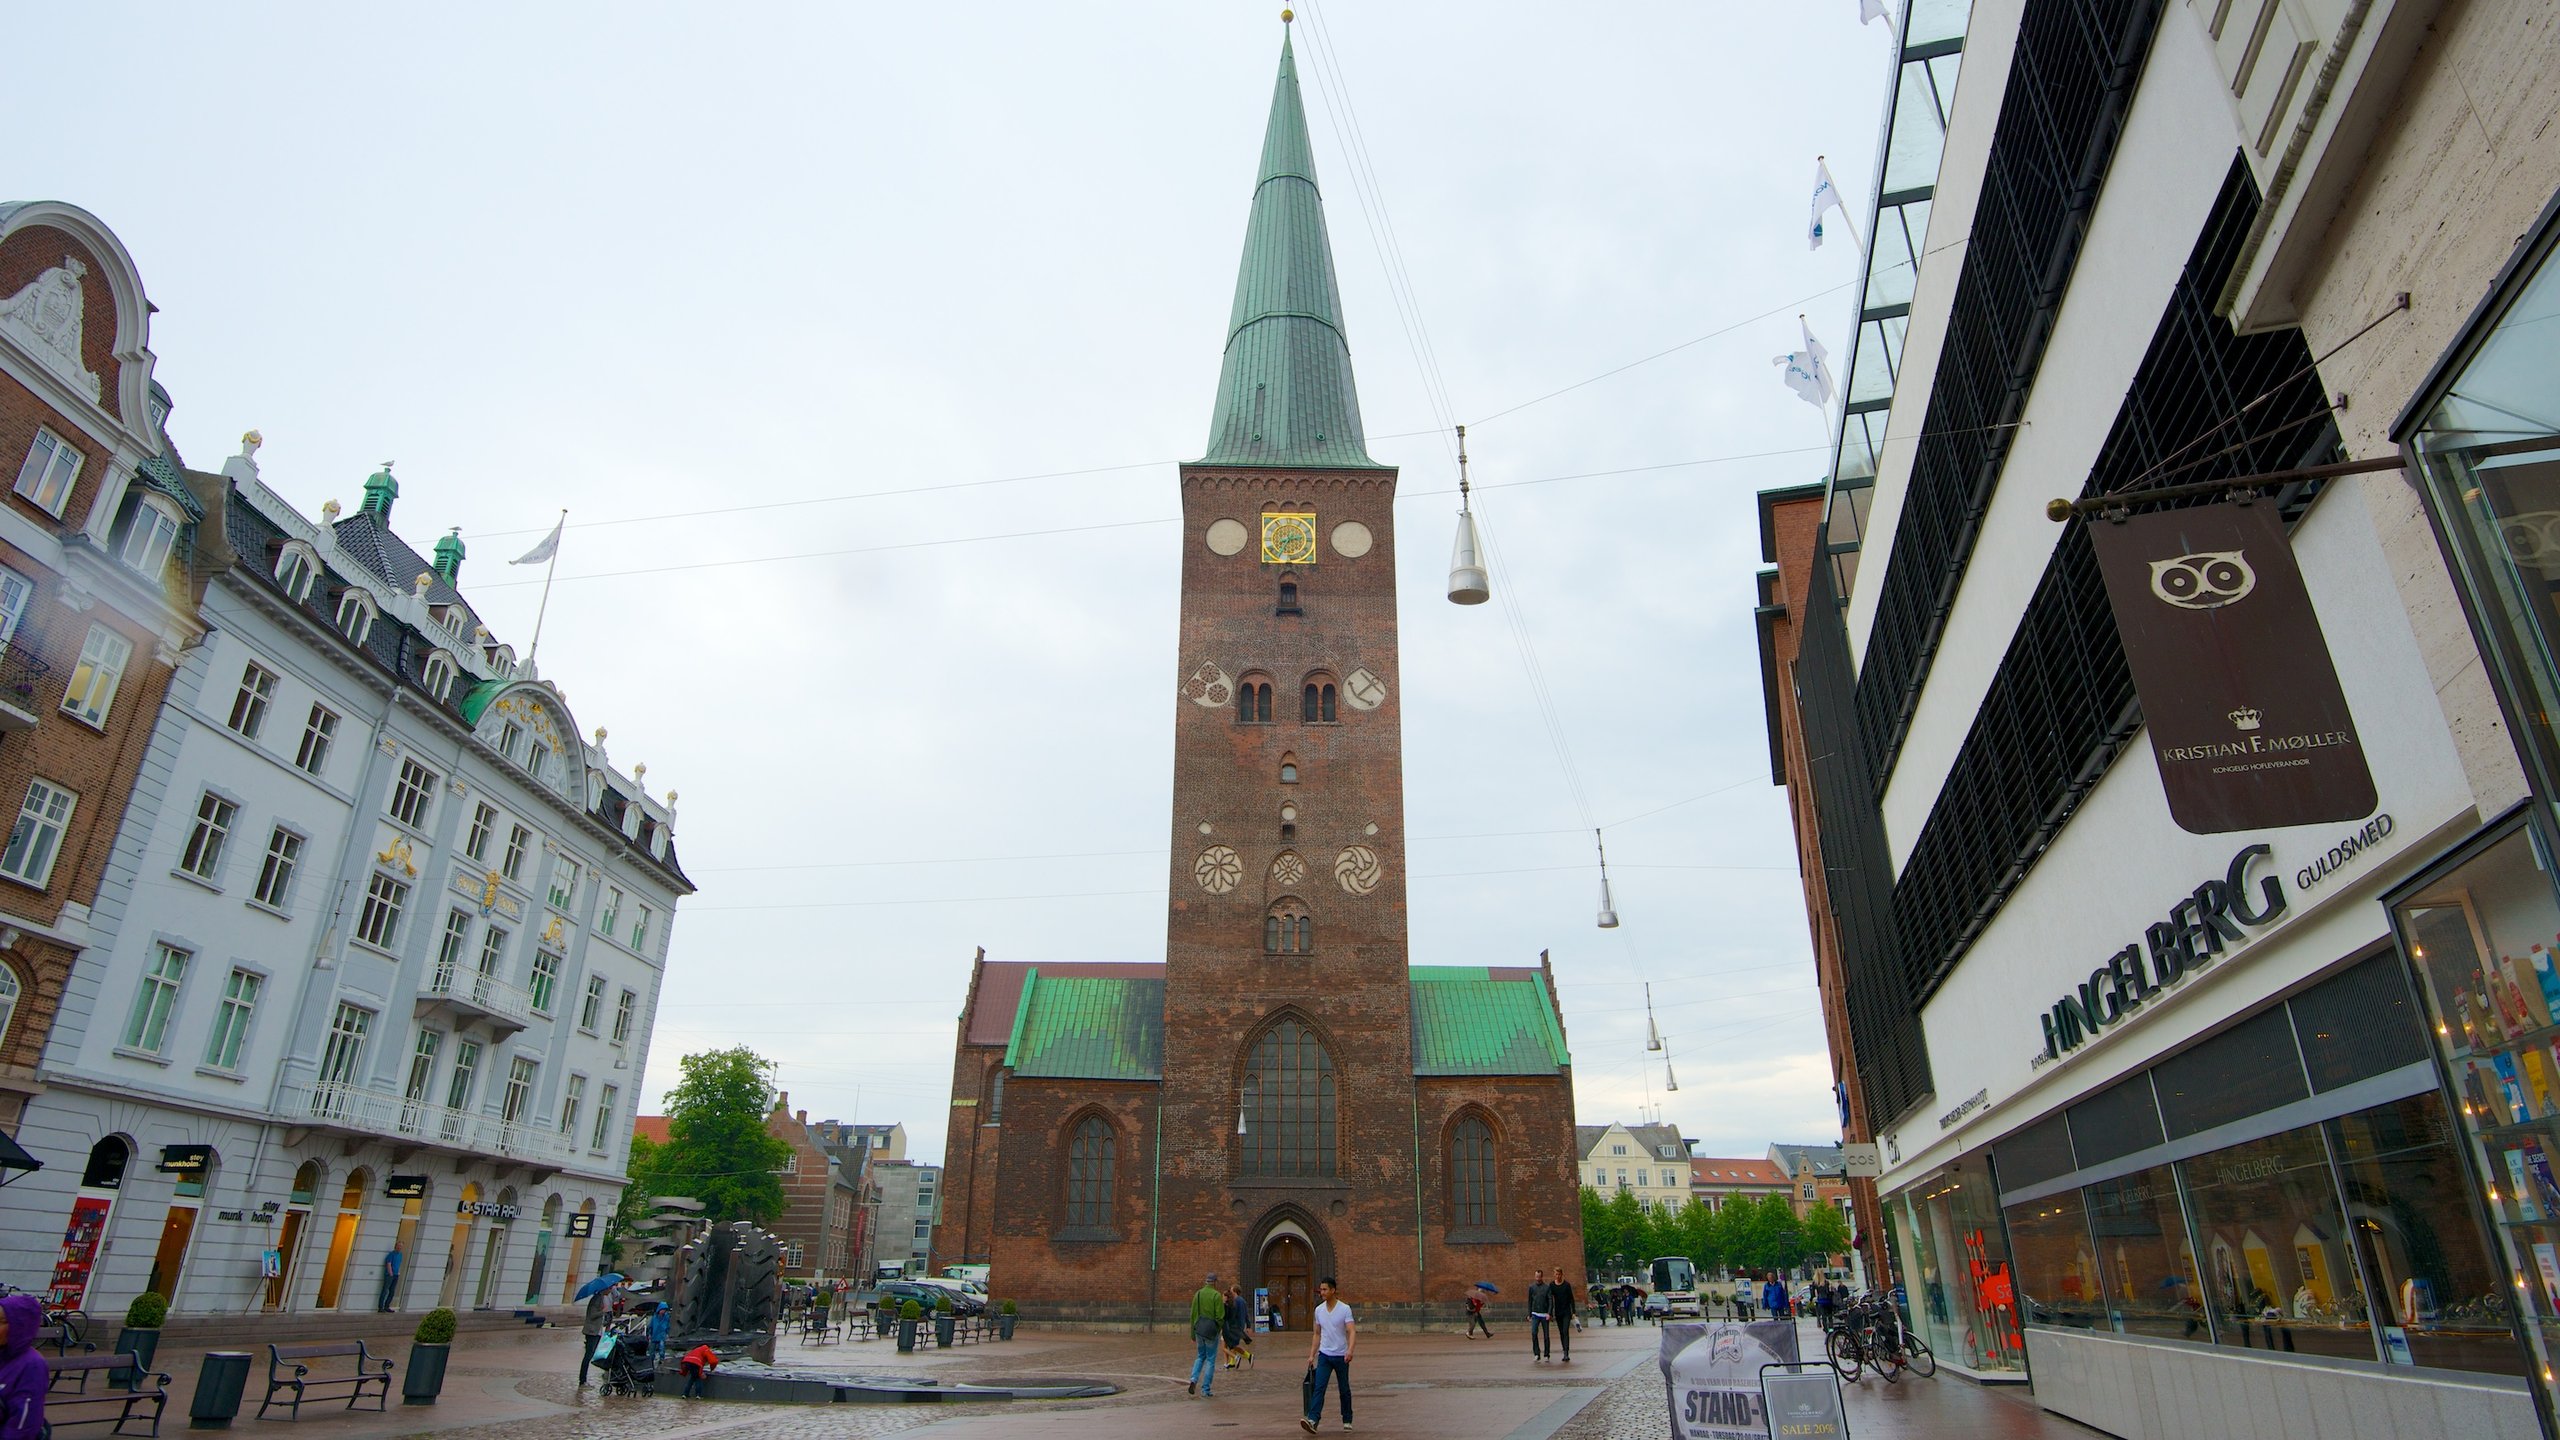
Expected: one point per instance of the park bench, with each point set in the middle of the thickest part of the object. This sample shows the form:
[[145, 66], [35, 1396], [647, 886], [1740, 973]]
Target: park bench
[[57, 1339], [303, 1385], [150, 1388]]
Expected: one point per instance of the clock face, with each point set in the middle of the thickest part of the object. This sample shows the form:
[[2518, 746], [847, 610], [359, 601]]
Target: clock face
[[1289, 538]]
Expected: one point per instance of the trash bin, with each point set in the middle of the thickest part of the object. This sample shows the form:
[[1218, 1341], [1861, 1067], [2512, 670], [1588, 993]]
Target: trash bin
[[218, 1386]]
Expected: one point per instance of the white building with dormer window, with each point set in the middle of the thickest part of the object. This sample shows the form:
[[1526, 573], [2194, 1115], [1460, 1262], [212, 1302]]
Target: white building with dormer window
[[373, 964]]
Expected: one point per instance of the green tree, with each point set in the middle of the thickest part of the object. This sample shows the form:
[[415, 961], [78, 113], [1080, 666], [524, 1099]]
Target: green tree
[[1783, 1231], [1627, 1219], [1698, 1238], [1825, 1233], [717, 1149], [1599, 1232], [620, 1247]]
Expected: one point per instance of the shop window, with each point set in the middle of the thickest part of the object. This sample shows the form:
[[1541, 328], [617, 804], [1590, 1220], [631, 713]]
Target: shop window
[[2057, 1264], [1956, 1252], [2278, 1273], [2248, 1069], [2146, 1260], [2410, 1219]]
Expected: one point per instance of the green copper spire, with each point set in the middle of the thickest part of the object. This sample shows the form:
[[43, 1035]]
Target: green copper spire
[[1285, 395]]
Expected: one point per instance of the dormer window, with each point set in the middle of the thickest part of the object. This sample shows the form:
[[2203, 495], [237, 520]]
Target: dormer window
[[510, 737], [295, 574], [145, 534], [455, 620], [502, 661], [355, 614], [538, 759], [440, 674]]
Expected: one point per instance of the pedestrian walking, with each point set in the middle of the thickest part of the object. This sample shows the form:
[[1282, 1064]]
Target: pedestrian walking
[[1475, 1314], [1560, 1301], [390, 1280], [1541, 1315], [1742, 1297], [659, 1318], [1329, 1354], [1208, 1323], [592, 1329], [1238, 1335], [24, 1377], [1773, 1298]]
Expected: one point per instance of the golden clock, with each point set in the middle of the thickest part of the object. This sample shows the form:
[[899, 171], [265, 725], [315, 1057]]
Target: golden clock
[[1289, 537]]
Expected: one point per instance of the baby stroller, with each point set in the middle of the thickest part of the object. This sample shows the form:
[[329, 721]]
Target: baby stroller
[[623, 1351]]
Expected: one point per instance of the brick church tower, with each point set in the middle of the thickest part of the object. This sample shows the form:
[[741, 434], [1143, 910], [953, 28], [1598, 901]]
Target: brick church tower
[[1285, 1096]]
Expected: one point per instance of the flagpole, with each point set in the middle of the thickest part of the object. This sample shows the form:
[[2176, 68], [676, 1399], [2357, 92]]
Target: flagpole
[[547, 572], [1843, 196]]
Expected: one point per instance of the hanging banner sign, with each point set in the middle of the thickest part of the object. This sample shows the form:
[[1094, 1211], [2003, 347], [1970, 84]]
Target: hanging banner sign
[[185, 1159], [581, 1225], [405, 1187], [486, 1209], [2246, 716]]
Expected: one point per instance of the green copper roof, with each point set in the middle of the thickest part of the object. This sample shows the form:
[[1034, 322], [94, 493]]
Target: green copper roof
[[1469, 1021], [1285, 395], [476, 700], [1086, 1028]]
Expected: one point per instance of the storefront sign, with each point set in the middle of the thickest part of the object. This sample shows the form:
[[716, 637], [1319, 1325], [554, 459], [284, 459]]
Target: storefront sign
[[2340, 855], [486, 1209], [1804, 1402], [2220, 913], [1861, 1162], [185, 1159], [581, 1225], [405, 1187], [2247, 718], [1967, 1106]]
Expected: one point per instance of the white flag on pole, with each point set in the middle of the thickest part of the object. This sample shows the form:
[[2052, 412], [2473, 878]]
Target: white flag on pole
[[1869, 10], [1826, 197], [1808, 371], [549, 547]]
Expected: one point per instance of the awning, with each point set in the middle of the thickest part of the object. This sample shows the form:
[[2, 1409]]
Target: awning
[[14, 1159]]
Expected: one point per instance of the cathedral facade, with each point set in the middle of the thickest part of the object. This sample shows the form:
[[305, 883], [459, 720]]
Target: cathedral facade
[[1285, 1096]]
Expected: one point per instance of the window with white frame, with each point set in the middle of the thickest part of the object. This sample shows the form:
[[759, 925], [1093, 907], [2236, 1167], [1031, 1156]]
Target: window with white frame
[[205, 844], [519, 840], [519, 1092], [493, 953], [612, 915], [564, 884], [318, 733], [342, 1058], [422, 1064], [37, 837], [466, 1067], [545, 984], [355, 614], [92, 691], [537, 760], [295, 574], [249, 707], [148, 531], [146, 1028], [622, 1013], [379, 922], [475, 843], [15, 591], [457, 933], [640, 929], [605, 1102], [591, 1009], [231, 1021], [573, 1098], [510, 738], [8, 1000], [50, 468], [439, 675], [413, 795]]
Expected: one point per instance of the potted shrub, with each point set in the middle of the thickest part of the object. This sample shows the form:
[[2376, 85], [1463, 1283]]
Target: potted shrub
[[881, 1319], [428, 1351], [943, 1320], [140, 1337], [908, 1314], [1004, 1321]]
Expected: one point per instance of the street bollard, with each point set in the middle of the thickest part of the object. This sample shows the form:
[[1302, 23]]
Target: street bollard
[[218, 1387]]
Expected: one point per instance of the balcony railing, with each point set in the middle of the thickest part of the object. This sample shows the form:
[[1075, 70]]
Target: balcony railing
[[479, 993], [23, 693], [366, 1110]]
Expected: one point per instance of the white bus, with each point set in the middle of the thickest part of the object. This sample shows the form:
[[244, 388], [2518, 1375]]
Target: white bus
[[1675, 1288]]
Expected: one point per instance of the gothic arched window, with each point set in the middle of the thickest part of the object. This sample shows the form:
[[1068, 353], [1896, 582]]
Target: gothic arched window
[[1287, 929], [1471, 1189], [1288, 1111], [1089, 1160]]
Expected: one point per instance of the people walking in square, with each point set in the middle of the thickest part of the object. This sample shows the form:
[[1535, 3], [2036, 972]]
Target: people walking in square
[[592, 1329], [1560, 1301], [1773, 1297], [390, 1280], [658, 1319], [1208, 1325], [1541, 1315], [1475, 1313], [1329, 1354], [1238, 1335]]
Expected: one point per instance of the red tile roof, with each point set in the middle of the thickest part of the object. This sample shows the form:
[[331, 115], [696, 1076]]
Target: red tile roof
[[652, 1128], [1754, 1171]]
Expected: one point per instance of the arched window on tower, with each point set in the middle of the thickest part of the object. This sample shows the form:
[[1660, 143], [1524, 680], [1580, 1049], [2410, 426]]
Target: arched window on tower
[[1288, 769], [1288, 928], [1253, 702], [1287, 1116], [1317, 703], [1091, 1154], [1471, 1185]]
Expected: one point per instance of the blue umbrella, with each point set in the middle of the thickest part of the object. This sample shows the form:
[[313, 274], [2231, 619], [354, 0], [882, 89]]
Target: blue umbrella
[[1488, 1287], [598, 1285]]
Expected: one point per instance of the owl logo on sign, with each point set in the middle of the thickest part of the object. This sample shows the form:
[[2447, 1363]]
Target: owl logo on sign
[[2207, 580]]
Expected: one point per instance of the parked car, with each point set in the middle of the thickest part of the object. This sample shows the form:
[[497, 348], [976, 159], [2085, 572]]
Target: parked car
[[898, 1292]]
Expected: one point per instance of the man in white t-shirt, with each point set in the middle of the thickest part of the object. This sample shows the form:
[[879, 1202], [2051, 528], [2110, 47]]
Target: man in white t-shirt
[[1329, 1355]]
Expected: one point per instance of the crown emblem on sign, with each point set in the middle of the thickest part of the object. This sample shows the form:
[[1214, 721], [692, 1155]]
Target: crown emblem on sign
[[2245, 718]]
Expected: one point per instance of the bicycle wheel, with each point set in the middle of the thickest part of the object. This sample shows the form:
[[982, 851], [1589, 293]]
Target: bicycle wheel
[[1884, 1355], [1843, 1350], [1923, 1363]]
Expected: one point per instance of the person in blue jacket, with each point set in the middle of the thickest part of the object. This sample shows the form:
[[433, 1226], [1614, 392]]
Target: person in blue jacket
[[658, 1319], [1773, 1298]]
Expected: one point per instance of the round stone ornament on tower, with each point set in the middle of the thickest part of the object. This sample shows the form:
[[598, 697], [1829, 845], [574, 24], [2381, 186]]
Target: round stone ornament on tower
[[1226, 537], [1351, 540]]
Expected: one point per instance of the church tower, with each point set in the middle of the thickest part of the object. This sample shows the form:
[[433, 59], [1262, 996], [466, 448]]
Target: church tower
[[1283, 1096], [1286, 938]]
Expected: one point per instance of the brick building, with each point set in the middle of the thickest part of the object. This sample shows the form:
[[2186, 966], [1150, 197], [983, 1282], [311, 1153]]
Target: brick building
[[821, 1196], [1716, 1182], [1285, 1096], [106, 541]]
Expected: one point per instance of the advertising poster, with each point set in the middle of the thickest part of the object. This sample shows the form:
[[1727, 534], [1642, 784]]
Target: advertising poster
[[1712, 1375], [79, 1252]]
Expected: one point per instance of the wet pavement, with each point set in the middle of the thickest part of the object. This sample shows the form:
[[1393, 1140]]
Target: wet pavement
[[522, 1386]]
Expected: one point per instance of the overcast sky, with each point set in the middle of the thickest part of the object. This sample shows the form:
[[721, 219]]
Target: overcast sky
[[710, 277]]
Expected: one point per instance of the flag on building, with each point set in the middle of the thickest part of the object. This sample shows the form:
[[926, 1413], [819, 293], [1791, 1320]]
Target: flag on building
[[1808, 371], [549, 547], [1826, 198], [1872, 10]]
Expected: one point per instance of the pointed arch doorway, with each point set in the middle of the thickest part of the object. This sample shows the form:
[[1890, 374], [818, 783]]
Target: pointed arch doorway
[[1288, 1273]]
